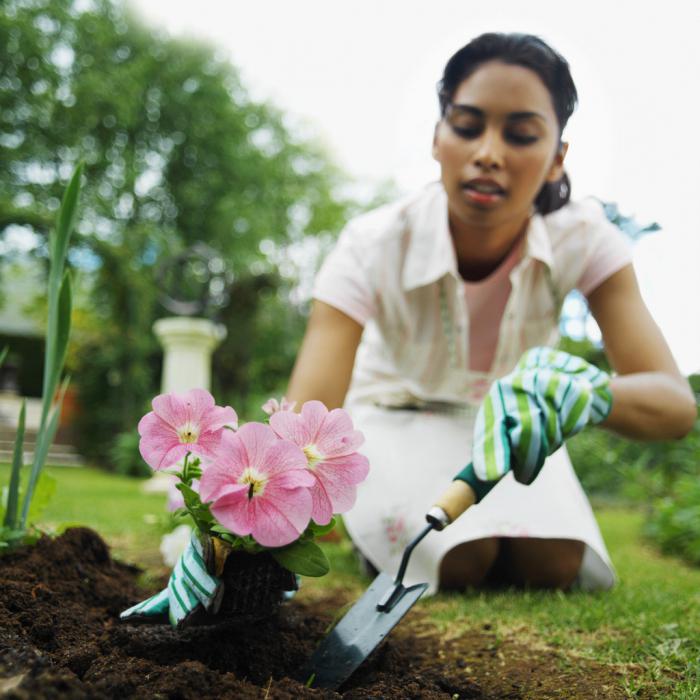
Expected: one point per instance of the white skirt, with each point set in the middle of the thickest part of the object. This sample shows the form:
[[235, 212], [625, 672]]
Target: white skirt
[[414, 455]]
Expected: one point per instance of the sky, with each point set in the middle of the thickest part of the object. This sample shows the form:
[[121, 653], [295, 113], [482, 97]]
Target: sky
[[361, 76]]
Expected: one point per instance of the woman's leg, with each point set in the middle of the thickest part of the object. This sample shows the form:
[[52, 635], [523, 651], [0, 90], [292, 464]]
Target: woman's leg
[[540, 562], [512, 561], [468, 563]]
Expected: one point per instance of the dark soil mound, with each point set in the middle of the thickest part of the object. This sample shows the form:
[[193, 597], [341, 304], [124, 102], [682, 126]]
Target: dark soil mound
[[60, 637]]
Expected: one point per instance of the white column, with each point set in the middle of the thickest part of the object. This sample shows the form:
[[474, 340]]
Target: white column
[[187, 344]]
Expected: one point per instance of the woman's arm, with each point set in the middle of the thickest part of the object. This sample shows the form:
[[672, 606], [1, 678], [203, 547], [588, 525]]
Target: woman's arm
[[324, 364], [651, 398]]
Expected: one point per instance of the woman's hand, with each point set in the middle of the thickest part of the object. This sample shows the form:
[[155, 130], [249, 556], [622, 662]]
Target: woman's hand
[[528, 414], [651, 398], [324, 364]]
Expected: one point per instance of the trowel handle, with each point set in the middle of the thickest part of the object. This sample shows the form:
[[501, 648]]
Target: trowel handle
[[466, 490]]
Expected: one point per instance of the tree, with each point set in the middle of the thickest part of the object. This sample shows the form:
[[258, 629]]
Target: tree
[[176, 152]]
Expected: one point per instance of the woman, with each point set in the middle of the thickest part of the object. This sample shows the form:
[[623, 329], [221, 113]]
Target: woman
[[424, 303]]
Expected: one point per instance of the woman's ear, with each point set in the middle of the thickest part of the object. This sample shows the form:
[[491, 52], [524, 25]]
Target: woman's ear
[[556, 171], [435, 139]]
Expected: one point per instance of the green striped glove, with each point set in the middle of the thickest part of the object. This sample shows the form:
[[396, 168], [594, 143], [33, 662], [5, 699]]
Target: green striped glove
[[528, 414], [191, 592]]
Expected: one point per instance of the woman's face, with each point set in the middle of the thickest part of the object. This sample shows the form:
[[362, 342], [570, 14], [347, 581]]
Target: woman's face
[[497, 145]]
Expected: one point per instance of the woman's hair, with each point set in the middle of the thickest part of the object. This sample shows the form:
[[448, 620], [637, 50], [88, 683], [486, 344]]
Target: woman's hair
[[530, 52]]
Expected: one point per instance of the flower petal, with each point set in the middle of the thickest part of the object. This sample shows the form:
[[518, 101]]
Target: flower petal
[[281, 518], [217, 417], [322, 508], [256, 439], [314, 415], [236, 512], [337, 437], [339, 478], [177, 409], [291, 426], [281, 456]]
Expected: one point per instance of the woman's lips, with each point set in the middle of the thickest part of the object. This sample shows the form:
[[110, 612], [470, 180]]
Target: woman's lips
[[480, 197]]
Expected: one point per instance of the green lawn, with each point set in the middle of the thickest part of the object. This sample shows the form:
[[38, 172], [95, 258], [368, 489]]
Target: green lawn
[[130, 519], [648, 626]]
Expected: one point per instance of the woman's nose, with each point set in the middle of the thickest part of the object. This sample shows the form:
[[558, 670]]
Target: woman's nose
[[489, 154]]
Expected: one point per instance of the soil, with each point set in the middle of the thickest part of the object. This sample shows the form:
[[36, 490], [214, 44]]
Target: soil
[[60, 637]]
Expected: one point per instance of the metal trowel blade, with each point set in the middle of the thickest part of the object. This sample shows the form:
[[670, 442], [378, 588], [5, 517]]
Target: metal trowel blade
[[354, 638]]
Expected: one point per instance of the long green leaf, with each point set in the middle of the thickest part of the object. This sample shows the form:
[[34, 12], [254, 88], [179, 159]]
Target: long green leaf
[[62, 328], [44, 439], [58, 248], [17, 462], [66, 219], [3, 354]]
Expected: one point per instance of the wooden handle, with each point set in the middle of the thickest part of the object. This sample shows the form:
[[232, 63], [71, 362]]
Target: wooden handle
[[456, 499]]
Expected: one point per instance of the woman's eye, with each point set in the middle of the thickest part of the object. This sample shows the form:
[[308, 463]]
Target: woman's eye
[[467, 132], [520, 139]]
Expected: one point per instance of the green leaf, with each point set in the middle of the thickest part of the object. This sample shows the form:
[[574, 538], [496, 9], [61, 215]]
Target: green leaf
[[305, 558], [44, 439], [3, 354], [62, 329], [66, 218], [220, 529], [190, 496], [319, 530], [17, 463]]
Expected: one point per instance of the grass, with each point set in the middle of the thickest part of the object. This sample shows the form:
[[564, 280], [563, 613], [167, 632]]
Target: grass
[[648, 626], [130, 519]]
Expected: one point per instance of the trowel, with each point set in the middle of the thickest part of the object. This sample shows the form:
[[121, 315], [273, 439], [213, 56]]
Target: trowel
[[386, 601]]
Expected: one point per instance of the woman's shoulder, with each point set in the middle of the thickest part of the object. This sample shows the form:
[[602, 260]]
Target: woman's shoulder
[[394, 220], [587, 213], [585, 244]]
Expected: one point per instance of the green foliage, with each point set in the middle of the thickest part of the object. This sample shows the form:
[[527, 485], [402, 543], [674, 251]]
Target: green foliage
[[125, 456], [303, 557], [12, 505], [660, 476], [57, 335], [176, 152], [675, 522], [11, 535]]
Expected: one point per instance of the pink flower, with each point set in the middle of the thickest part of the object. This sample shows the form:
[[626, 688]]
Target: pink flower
[[330, 444], [273, 406], [259, 486], [182, 423]]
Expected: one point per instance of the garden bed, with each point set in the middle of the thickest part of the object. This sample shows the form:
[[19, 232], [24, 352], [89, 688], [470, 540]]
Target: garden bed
[[60, 637]]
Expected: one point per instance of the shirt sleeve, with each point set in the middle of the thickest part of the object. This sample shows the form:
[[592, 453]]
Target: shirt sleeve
[[344, 281], [610, 250]]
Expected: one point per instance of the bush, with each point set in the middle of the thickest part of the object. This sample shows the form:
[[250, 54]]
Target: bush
[[664, 477], [125, 456], [675, 521]]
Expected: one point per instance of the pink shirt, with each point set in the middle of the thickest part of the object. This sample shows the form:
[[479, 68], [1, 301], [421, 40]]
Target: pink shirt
[[429, 336]]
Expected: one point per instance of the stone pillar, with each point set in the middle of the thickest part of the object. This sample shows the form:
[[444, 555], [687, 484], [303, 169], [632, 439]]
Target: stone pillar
[[187, 344]]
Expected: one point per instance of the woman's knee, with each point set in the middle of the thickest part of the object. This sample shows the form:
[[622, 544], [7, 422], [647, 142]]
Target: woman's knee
[[544, 563], [468, 563]]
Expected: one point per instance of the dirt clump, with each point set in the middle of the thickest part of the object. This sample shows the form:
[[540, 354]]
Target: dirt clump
[[60, 637]]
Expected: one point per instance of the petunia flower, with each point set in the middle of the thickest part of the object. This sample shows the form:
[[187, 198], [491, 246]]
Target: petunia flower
[[259, 486], [330, 444], [273, 406], [182, 423]]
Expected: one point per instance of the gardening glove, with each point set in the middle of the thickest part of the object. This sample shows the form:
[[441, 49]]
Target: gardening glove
[[528, 414], [194, 591]]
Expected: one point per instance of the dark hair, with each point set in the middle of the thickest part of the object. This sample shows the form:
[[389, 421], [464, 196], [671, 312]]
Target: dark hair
[[530, 52]]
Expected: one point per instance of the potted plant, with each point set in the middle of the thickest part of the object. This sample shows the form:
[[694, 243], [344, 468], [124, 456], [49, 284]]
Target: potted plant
[[259, 494]]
